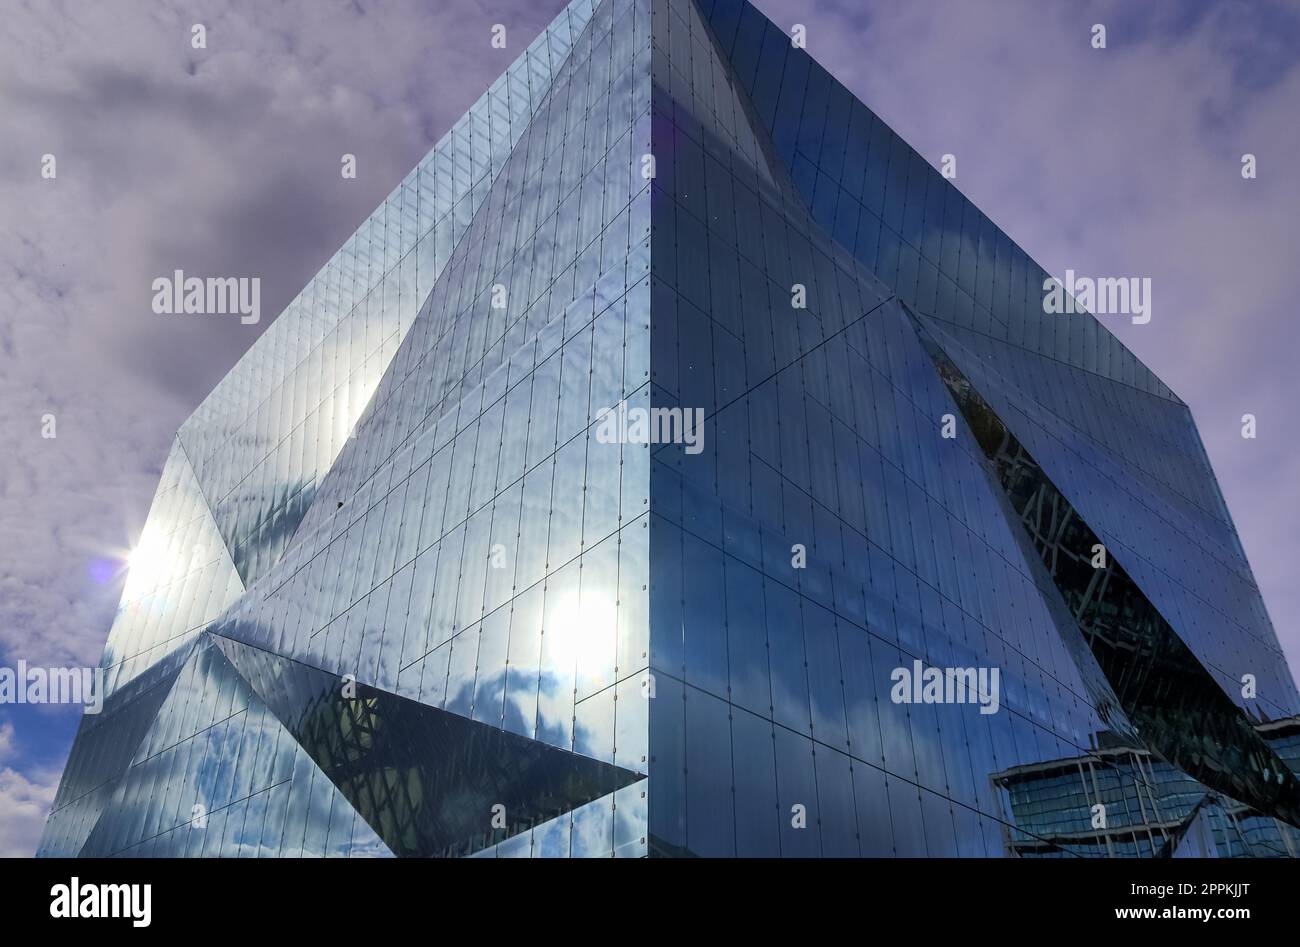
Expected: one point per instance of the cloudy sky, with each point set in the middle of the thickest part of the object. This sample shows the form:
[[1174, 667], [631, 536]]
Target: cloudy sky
[[1120, 161]]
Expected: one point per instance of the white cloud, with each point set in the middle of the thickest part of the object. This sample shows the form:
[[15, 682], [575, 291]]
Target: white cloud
[[24, 802]]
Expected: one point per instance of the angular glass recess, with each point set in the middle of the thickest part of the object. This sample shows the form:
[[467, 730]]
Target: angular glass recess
[[1171, 699], [102, 752], [429, 782]]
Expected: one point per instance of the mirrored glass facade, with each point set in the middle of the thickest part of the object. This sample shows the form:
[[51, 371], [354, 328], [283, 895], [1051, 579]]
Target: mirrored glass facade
[[603, 492]]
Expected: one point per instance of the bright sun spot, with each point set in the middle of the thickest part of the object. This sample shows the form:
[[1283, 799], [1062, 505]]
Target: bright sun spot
[[581, 634], [145, 563]]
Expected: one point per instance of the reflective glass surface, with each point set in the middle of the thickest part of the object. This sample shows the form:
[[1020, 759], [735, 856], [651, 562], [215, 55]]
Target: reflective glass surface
[[403, 592], [829, 535]]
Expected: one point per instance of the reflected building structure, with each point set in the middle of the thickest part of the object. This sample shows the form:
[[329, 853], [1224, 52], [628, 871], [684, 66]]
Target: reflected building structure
[[398, 595], [1156, 812]]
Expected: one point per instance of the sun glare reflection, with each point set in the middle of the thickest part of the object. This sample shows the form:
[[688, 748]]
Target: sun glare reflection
[[580, 633], [145, 566]]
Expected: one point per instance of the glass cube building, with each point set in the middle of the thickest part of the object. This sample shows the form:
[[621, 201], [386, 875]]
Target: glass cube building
[[402, 591]]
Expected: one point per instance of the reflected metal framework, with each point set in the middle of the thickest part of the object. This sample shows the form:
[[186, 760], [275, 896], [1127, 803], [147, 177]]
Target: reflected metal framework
[[1177, 708], [400, 594]]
